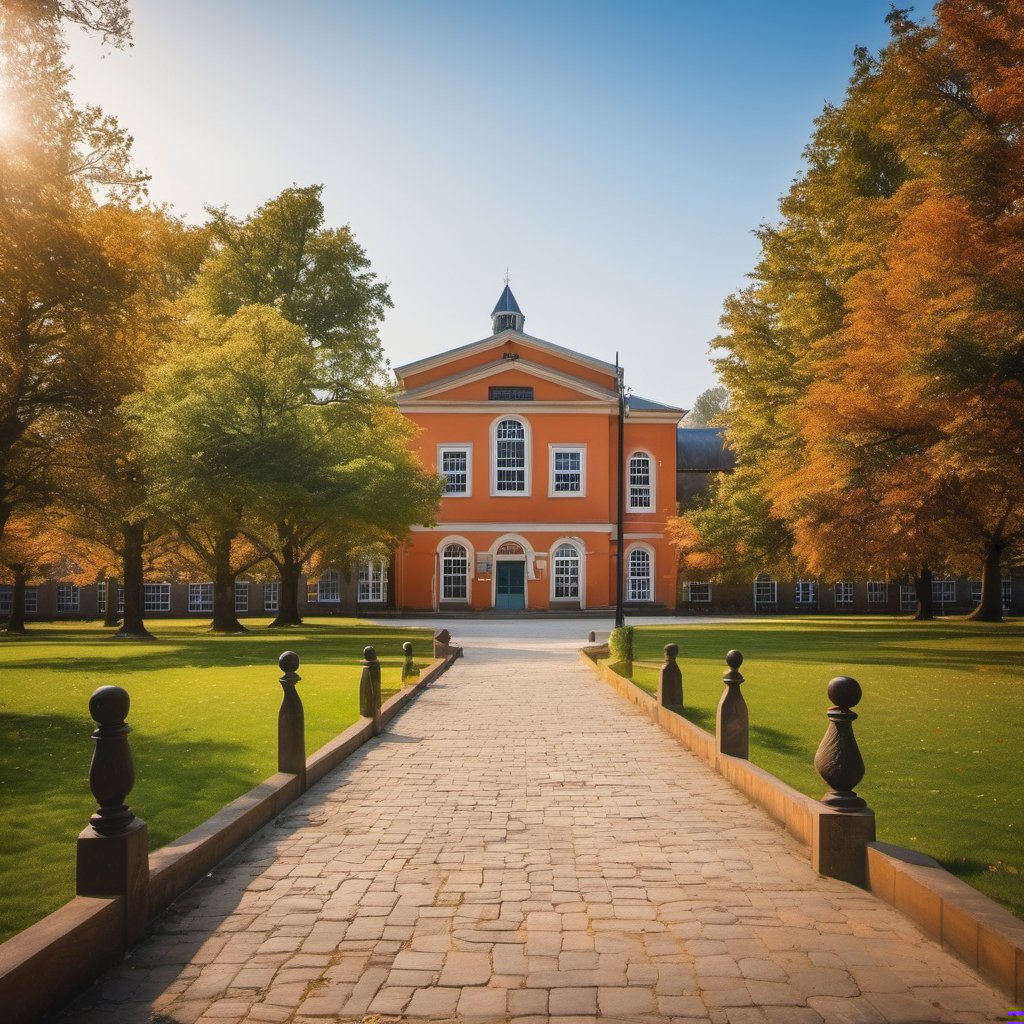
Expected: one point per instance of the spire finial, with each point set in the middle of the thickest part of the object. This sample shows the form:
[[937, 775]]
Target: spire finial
[[506, 277]]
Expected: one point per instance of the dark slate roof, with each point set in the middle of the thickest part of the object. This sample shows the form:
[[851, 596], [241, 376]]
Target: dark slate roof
[[703, 450], [646, 405], [507, 303]]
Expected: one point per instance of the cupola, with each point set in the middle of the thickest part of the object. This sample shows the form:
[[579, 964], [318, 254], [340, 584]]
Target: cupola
[[506, 314]]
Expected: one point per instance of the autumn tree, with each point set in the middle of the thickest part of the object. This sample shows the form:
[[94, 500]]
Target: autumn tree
[[29, 549], [58, 288]]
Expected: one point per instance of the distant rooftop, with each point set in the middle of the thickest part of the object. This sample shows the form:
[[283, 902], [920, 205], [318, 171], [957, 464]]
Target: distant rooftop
[[703, 450]]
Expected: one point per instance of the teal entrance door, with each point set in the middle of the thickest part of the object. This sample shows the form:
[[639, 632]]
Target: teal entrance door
[[510, 585]]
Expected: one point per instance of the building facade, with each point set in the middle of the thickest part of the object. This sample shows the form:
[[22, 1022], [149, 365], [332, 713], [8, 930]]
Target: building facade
[[526, 434]]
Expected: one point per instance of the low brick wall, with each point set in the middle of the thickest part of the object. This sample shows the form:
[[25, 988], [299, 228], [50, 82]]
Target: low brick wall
[[966, 922], [47, 963]]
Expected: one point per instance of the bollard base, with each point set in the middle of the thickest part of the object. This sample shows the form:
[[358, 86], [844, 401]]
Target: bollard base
[[117, 866], [839, 843]]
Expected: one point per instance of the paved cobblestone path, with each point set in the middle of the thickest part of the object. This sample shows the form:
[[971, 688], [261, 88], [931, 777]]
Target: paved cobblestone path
[[524, 844]]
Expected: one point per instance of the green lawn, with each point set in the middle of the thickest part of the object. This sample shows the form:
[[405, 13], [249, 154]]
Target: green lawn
[[204, 715], [940, 724]]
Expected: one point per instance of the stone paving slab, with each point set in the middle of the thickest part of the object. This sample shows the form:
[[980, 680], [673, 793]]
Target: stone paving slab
[[523, 844]]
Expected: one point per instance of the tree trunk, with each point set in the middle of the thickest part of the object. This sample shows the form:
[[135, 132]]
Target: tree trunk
[[16, 621], [225, 619], [111, 616], [991, 607], [133, 628], [288, 609], [923, 587]]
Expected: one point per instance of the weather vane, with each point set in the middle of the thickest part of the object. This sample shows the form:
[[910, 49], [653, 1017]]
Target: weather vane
[[506, 277]]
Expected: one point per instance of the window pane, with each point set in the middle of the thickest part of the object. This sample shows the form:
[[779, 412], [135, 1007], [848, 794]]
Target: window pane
[[241, 596], [454, 573], [271, 596], [510, 456], [566, 572], [156, 597], [328, 587], [200, 597], [639, 482], [639, 575], [568, 472], [455, 468]]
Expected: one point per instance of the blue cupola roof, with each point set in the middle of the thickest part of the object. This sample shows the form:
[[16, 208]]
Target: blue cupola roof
[[507, 316]]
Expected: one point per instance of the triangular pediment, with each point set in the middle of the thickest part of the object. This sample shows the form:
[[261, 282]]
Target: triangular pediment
[[529, 348], [458, 386]]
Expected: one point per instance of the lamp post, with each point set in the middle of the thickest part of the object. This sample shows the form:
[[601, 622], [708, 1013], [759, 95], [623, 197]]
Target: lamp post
[[620, 615]]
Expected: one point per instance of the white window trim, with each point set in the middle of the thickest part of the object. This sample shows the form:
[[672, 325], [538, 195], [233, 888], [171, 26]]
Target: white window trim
[[275, 589], [630, 507], [195, 602], [884, 599], [334, 576], [74, 602], [774, 599], [164, 591], [582, 554], [527, 457], [652, 576], [381, 581], [815, 591], [460, 447], [699, 600], [30, 604], [241, 587], [581, 450], [470, 565]]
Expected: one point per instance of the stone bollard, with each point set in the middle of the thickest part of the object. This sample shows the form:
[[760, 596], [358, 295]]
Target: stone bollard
[[592, 637], [845, 824], [443, 646], [409, 669], [670, 680], [732, 722], [113, 851], [291, 721], [369, 689], [838, 759]]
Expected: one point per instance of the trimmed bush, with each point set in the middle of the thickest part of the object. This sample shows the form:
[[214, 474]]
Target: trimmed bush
[[620, 644]]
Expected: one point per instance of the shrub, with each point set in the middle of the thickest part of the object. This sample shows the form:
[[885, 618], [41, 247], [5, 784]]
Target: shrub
[[620, 644]]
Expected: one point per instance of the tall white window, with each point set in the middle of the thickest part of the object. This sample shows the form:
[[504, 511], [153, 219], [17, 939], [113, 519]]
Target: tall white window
[[641, 497], [567, 475], [510, 457], [639, 580], [766, 593], [844, 595], [454, 573], [68, 597], [31, 600], [241, 595], [156, 597], [565, 573], [271, 597], [807, 592], [101, 598], [328, 587], [200, 597], [373, 581], [878, 593], [455, 464], [698, 593], [943, 592]]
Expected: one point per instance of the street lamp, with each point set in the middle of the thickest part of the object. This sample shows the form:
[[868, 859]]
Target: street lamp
[[620, 614]]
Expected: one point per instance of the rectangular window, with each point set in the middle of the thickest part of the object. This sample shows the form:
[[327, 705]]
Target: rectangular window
[[373, 582], [908, 597], [878, 593], [156, 597], [6, 600], [510, 457], [765, 594], [68, 597], [640, 483], [807, 592], [943, 592], [31, 600], [271, 596], [241, 596], [844, 595], [698, 593], [567, 471], [328, 587], [454, 464], [200, 597], [101, 598], [497, 394]]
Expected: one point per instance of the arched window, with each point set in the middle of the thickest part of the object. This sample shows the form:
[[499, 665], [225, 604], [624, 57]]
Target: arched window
[[639, 581], [454, 573], [327, 587], [510, 456], [565, 573], [641, 490]]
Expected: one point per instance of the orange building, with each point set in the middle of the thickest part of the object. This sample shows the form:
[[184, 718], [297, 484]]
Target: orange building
[[526, 433]]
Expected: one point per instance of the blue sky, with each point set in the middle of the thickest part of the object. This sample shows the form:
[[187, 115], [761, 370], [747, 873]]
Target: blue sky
[[614, 156]]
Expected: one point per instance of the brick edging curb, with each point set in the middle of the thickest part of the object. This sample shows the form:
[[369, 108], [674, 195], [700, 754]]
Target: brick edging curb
[[964, 921], [48, 962]]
